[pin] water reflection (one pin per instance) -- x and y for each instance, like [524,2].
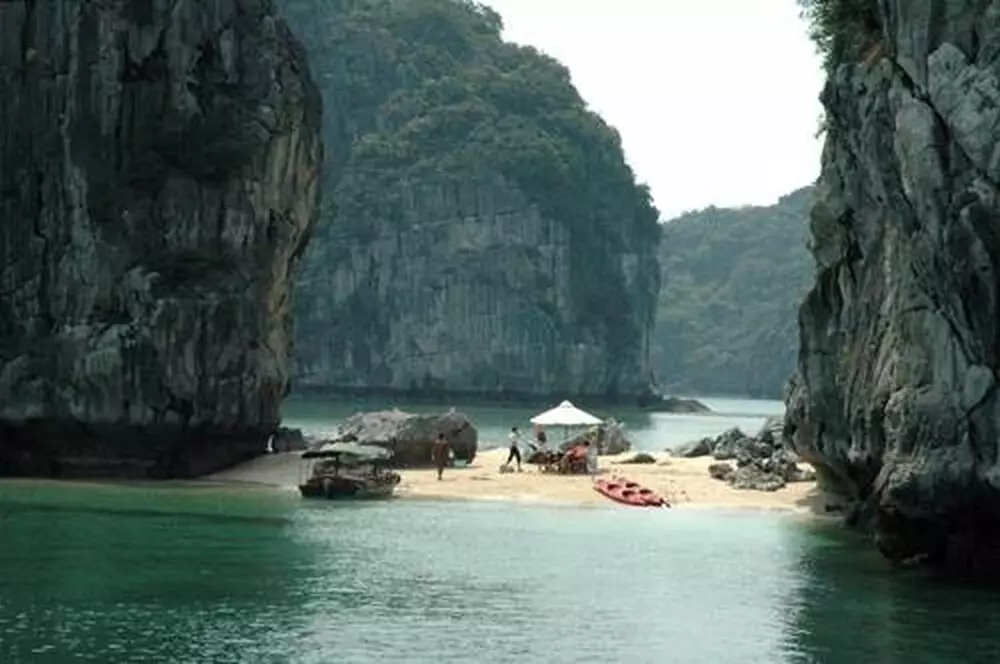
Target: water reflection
[493,584]
[111,573]
[855,607]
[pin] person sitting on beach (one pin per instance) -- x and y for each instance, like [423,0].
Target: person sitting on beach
[515,451]
[439,454]
[574,457]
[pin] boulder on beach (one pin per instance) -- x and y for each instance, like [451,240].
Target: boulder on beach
[721,471]
[410,436]
[693,449]
[288,440]
[639,458]
[609,436]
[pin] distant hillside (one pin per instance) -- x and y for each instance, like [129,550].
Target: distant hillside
[732,282]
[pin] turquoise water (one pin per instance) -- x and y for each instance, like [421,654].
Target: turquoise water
[139,574]
[181,573]
[652,432]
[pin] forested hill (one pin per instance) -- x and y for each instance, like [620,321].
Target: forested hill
[732,282]
[482,232]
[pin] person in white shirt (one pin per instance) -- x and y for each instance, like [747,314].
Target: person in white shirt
[515,451]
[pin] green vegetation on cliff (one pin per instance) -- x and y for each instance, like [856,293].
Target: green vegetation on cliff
[426,91]
[841,27]
[514,110]
[732,282]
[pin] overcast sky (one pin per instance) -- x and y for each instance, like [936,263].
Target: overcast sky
[716,100]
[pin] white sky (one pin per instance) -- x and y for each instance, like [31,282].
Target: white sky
[716,100]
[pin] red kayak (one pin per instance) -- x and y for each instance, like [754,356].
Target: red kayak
[629,493]
[651,498]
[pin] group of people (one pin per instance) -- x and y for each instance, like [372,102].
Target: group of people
[574,457]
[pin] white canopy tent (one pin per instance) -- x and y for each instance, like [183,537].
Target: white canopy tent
[568,416]
[565,415]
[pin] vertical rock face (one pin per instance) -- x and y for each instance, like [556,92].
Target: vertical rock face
[896,401]
[159,166]
[468,290]
[484,234]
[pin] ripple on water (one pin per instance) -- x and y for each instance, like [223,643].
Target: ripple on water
[456,582]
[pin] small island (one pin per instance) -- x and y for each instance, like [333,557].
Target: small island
[732,470]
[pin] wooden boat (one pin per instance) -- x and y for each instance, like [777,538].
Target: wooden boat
[349,470]
[629,493]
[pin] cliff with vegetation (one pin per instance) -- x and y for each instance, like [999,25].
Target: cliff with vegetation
[896,403]
[484,234]
[732,282]
[159,169]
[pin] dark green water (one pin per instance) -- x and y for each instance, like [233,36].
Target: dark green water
[134,574]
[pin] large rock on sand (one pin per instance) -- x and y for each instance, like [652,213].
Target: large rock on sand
[411,436]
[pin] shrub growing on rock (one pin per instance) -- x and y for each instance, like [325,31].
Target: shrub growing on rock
[842,29]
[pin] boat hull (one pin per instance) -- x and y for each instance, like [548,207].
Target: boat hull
[349,488]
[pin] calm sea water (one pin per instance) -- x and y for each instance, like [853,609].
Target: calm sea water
[648,431]
[156,573]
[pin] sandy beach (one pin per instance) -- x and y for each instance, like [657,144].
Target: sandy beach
[685,483]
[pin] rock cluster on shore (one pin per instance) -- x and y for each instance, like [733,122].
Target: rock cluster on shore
[764,462]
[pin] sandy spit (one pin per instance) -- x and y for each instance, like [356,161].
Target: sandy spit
[685,483]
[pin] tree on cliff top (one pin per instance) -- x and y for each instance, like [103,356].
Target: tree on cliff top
[841,29]
[428,89]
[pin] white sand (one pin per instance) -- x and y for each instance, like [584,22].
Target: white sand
[684,482]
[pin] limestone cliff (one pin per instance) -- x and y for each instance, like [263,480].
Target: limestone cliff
[485,235]
[159,170]
[896,401]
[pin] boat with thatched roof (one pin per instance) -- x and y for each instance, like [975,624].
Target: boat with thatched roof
[348,470]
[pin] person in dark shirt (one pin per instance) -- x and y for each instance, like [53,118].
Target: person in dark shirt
[439,454]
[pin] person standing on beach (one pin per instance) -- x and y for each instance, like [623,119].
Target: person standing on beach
[439,454]
[515,451]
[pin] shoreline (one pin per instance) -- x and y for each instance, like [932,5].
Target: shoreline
[684,482]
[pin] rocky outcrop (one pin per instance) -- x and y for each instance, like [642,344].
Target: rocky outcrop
[667,404]
[487,237]
[896,403]
[468,292]
[159,167]
[286,439]
[411,436]
[609,436]
[763,462]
